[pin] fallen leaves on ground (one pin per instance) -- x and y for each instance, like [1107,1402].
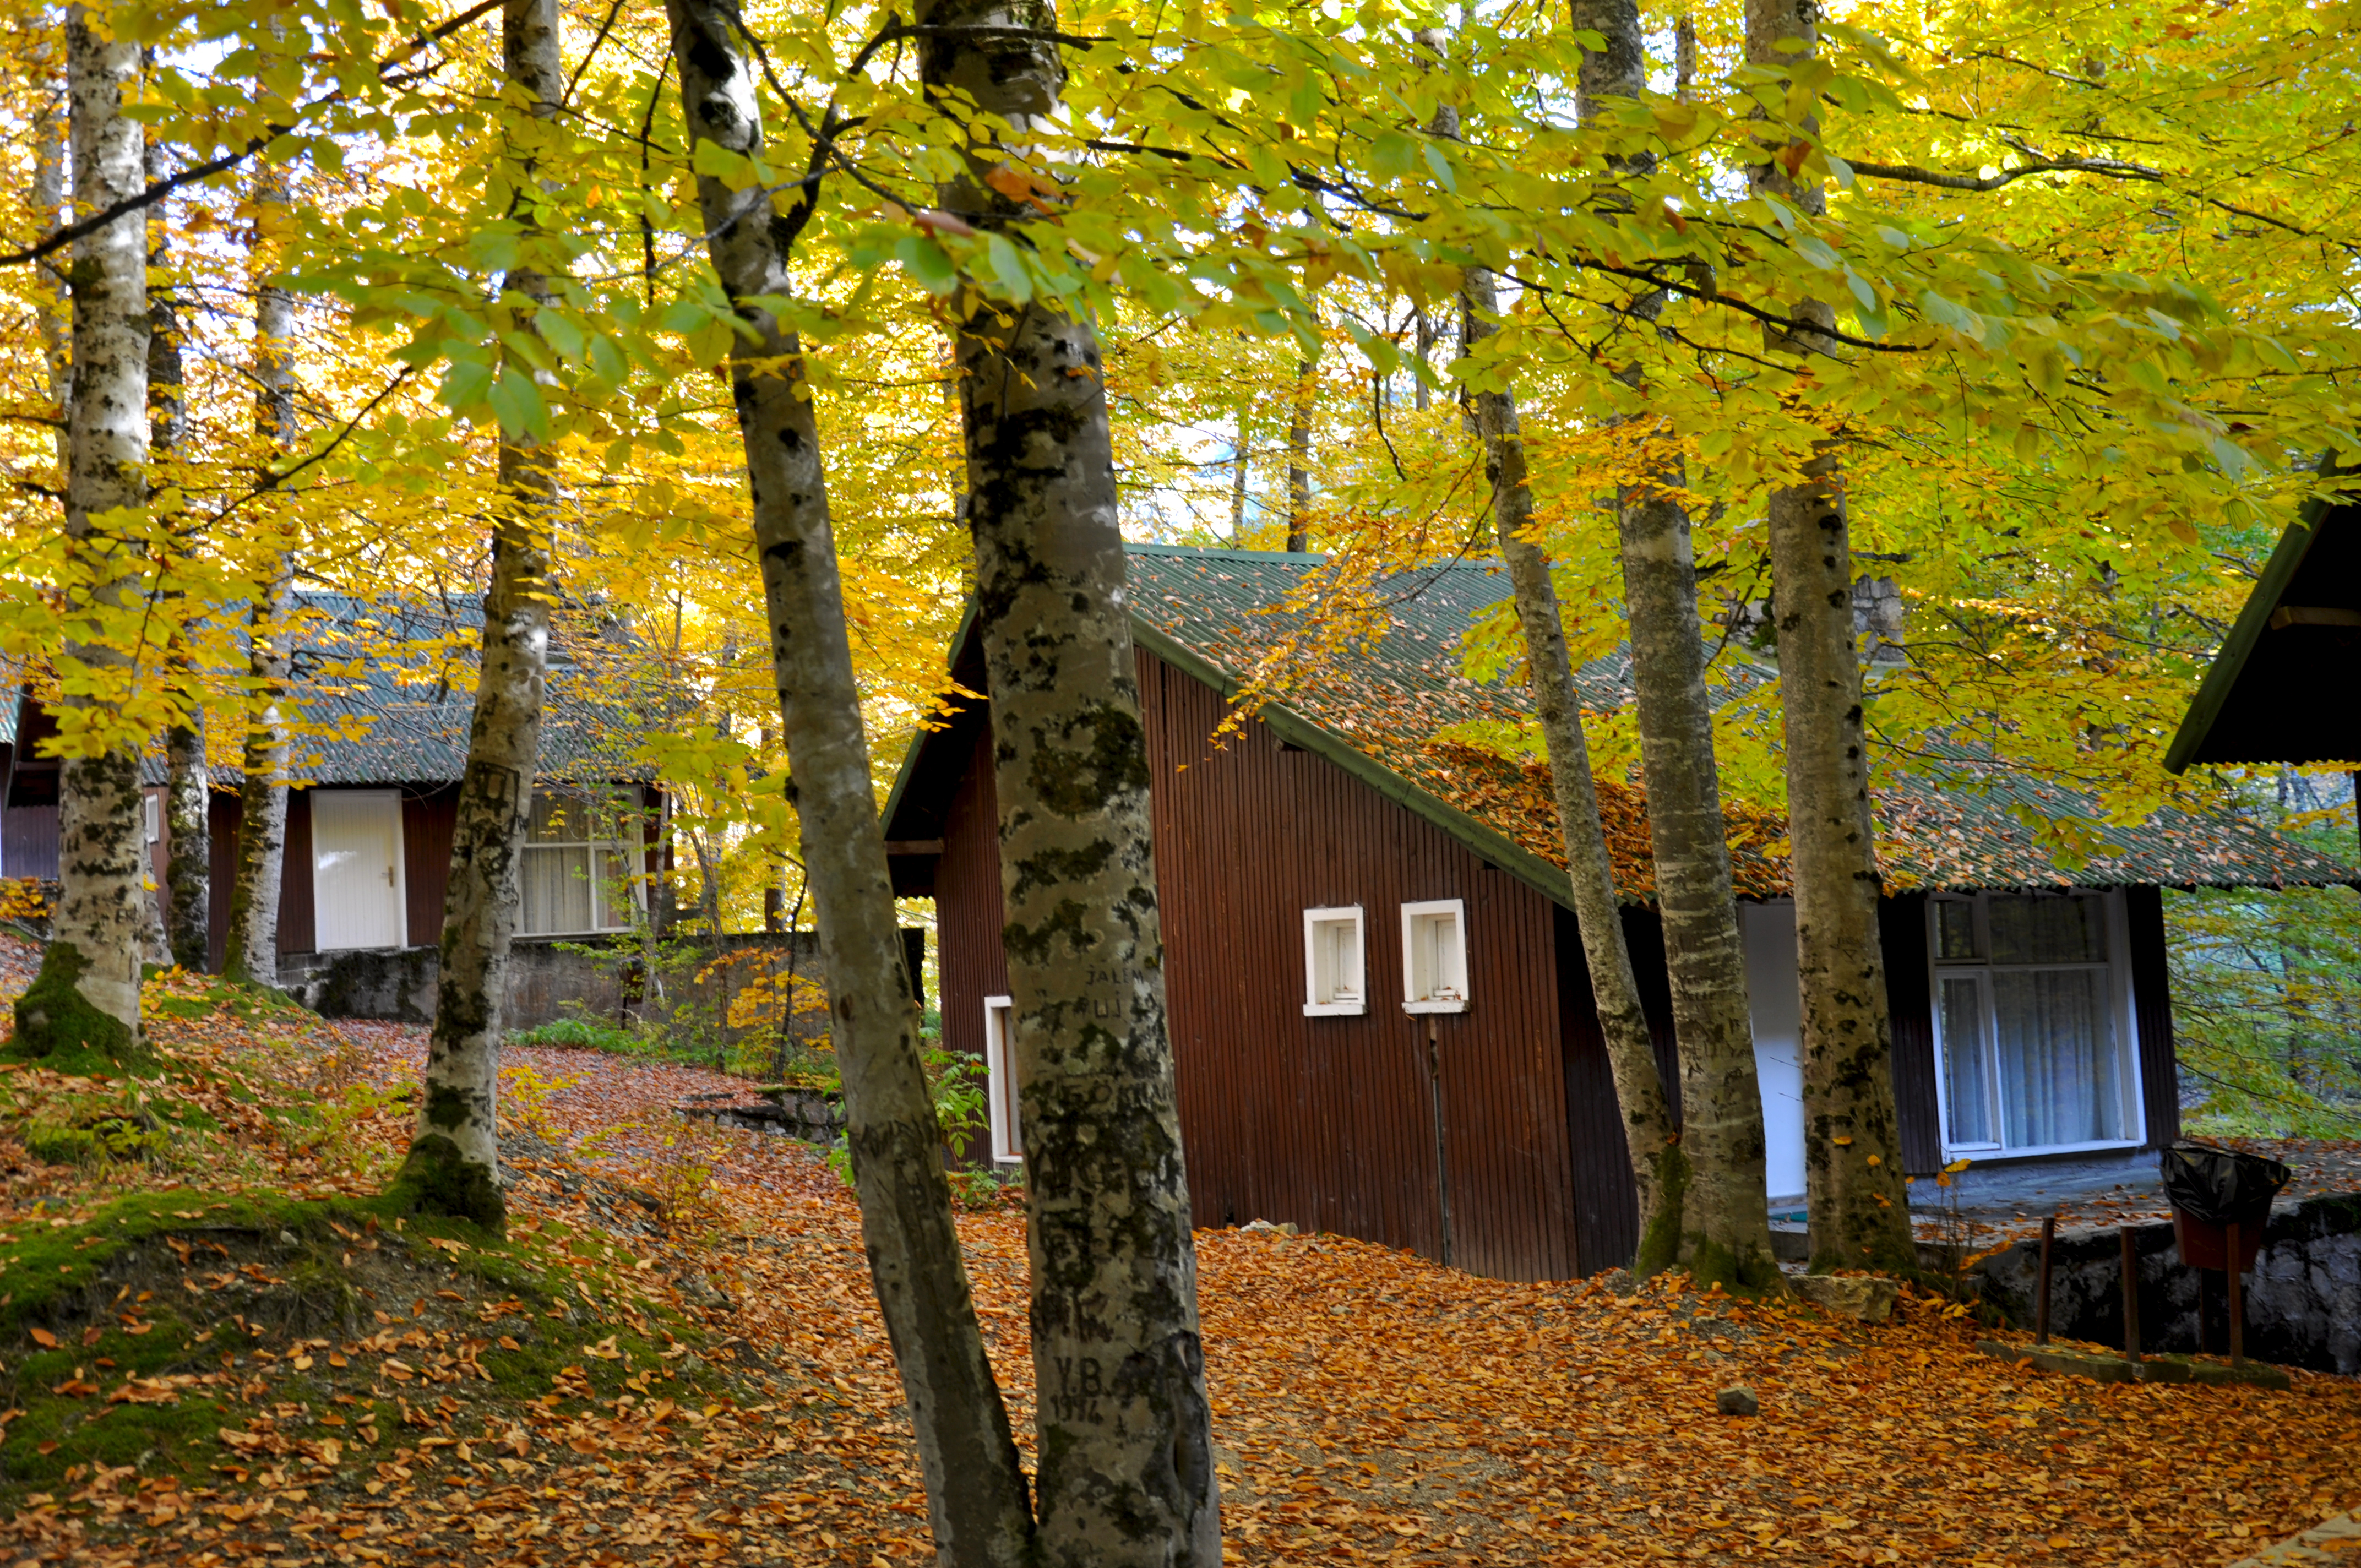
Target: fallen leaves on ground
[1369,1406]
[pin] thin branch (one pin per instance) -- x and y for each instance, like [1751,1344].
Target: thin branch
[229,160]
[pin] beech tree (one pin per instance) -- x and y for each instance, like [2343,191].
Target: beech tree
[250,955]
[1852,1138]
[976,1488]
[1651,1139]
[86,997]
[454,1163]
[1124,1428]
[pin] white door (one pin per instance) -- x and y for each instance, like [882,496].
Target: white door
[357,887]
[1775,1002]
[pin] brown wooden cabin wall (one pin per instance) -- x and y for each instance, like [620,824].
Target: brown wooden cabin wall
[1605,1203]
[1329,1122]
[1910,1004]
[295,922]
[969,964]
[1334,1122]
[2152,1010]
[222,819]
[428,820]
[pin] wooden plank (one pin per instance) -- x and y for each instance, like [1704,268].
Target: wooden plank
[2152,1011]
[1909,1003]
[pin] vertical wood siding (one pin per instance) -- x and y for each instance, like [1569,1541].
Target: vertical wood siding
[971,965]
[297,931]
[428,820]
[1370,1126]
[1910,1003]
[1442,1134]
[1606,1203]
[2152,1007]
[222,850]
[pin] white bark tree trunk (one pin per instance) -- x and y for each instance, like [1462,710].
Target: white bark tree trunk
[976,1491]
[50,130]
[1852,1140]
[1299,458]
[251,954]
[1124,1428]
[86,997]
[1725,1223]
[454,1166]
[188,830]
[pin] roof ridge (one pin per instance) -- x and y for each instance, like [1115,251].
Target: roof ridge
[1226,551]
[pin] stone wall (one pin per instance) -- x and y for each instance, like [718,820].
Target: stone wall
[2303,1298]
[398,984]
[549,979]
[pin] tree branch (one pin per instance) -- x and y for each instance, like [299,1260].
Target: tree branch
[229,160]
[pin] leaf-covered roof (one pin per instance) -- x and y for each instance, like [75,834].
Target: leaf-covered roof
[1389,681]
[384,693]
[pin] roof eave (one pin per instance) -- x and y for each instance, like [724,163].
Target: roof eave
[2222,675]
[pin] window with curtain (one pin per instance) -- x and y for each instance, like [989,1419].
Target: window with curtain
[2033,1056]
[577,868]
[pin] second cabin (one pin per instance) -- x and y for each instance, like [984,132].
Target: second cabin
[1381,1020]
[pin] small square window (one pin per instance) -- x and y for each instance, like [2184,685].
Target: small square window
[1000,1079]
[1334,972]
[1435,957]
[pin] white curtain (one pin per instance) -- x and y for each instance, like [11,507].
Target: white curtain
[557,890]
[1966,1062]
[2060,1074]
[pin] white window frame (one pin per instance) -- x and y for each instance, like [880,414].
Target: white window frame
[1422,991]
[153,809]
[1322,998]
[1000,1080]
[596,850]
[2122,1014]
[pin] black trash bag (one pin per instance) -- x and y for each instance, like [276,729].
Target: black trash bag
[2221,1187]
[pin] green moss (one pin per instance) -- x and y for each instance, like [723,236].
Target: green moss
[435,1180]
[64,1281]
[1660,1248]
[60,1028]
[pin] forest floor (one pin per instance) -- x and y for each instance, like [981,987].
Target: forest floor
[220,1352]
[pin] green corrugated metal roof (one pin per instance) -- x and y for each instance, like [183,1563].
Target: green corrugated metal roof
[1392,681]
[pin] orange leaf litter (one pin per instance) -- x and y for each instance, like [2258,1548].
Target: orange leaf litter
[1369,1406]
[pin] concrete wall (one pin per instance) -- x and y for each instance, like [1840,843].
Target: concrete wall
[2303,1298]
[549,980]
[398,984]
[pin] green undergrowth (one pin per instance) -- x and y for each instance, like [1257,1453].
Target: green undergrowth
[136,1332]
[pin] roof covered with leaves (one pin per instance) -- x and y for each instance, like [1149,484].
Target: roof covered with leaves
[384,693]
[1385,673]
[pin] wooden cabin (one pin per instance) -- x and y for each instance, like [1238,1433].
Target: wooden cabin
[379,751]
[1380,1015]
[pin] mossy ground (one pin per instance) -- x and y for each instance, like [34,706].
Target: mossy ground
[240,1291]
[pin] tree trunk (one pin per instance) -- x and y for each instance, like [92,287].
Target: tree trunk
[1852,1142]
[1299,459]
[188,792]
[50,129]
[975,1479]
[1725,1226]
[1124,1428]
[86,997]
[251,954]
[454,1164]
[1648,1130]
